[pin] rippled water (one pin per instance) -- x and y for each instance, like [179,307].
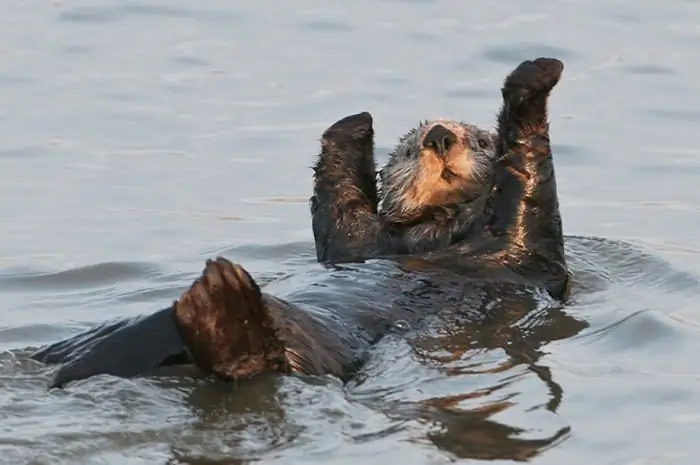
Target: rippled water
[139,138]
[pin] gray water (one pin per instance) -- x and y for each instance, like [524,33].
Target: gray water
[138,139]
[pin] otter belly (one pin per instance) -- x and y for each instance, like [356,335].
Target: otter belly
[327,319]
[343,308]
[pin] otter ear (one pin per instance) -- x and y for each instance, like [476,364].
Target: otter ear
[351,129]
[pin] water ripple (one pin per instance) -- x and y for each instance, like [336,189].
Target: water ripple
[515,53]
[108,14]
[84,277]
[122,118]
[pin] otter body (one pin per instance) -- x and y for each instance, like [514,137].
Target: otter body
[481,233]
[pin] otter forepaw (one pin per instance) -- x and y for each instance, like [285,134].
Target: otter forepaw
[225,325]
[532,78]
[351,128]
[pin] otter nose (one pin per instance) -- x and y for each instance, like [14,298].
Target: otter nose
[440,139]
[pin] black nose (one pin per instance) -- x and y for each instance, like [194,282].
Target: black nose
[439,139]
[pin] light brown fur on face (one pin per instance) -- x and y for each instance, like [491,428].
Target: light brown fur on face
[416,178]
[442,180]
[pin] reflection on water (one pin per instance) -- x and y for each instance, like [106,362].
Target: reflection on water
[139,138]
[496,358]
[475,376]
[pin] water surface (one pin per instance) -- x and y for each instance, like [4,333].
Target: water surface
[140,138]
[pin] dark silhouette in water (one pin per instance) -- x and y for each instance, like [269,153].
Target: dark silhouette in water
[513,248]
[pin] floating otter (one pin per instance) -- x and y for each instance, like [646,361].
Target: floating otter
[451,247]
[435,182]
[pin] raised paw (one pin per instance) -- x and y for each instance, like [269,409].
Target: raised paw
[532,78]
[351,128]
[224,324]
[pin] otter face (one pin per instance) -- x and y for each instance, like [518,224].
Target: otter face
[439,162]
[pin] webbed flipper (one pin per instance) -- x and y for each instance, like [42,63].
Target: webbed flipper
[127,347]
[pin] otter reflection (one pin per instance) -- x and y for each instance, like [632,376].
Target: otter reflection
[255,414]
[471,432]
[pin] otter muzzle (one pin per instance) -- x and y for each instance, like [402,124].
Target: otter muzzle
[440,139]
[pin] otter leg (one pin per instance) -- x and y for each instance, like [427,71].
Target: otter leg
[226,326]
[344,202]
[128,347]
[526,208]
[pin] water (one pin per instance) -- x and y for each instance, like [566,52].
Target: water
[139,139]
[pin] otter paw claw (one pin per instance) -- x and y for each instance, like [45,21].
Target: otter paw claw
[224,323]
[532,78]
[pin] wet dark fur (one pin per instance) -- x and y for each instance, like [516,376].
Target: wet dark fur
[325,326]
[347,223]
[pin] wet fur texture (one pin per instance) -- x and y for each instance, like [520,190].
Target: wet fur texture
[521,243]
[424,202]
[416,180]
[234,330]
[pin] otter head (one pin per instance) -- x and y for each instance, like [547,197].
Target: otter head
[440,162]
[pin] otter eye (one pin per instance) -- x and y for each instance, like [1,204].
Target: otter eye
[484,142]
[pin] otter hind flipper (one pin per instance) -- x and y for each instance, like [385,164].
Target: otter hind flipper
[225,325]
[127,347]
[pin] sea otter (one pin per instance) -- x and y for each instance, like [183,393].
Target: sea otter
[432,188]
[511,249]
